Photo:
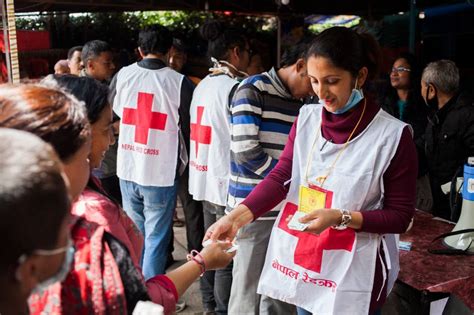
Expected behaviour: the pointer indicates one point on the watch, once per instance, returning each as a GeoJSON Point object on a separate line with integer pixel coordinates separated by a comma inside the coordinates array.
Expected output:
{"type": "Point", "coordinates": [345, 220]}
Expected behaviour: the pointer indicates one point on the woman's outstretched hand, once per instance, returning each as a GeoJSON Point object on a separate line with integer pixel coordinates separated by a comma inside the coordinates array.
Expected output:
{"type": "Point", "coordinates": [215, 255]}
{"type": "Point", "coordinates": [226, 227]}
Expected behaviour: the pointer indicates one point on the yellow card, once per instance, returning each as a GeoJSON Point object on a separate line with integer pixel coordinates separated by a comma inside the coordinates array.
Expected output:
{"type": "Point", "coordinates": [311, 199]}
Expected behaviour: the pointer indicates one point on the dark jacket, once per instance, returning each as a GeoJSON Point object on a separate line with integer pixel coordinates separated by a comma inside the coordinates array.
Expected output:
{"type": "Point", "coordinates": [416, 113]}
{"type": "Point", "coordinates": [450, 138]}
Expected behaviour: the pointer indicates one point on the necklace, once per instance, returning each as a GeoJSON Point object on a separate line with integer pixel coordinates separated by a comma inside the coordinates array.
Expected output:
{"type": "Point", "coordinates": [322, 179]}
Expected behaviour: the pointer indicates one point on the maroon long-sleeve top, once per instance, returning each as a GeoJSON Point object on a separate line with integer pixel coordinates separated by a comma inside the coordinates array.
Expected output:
{"type": "Point", "coordinates": [399, 183]}
{"type": "Point", "coordinates": [399, 179]}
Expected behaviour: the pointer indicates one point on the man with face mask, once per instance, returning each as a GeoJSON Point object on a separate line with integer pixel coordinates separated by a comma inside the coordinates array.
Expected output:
{"type": "Point", "coordinates": [450, 130]}
{"type": "Point", "coordinates": [34, 206]}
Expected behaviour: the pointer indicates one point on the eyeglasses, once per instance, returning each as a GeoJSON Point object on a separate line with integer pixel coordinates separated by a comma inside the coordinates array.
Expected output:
{"type": "Point", "coordinates": [400, 69]}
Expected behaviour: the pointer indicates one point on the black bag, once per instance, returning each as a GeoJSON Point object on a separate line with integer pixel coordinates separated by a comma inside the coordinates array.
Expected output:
{"type": "Point", "coordinates": [451, 251]}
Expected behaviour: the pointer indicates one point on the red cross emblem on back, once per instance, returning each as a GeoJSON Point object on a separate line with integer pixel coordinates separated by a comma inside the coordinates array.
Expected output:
{"type": "Point", "coordinates": [143, 118]}
{"type": "Point", "coordinates": [200, 133]}
{"type": "Point", "coordinates": [310, 247]}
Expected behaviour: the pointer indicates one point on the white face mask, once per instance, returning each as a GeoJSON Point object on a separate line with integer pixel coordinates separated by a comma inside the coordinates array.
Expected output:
{"type": "Point", "coordinates": [62, 272]}
{"type": "Point", "coordinates": [223, 67]}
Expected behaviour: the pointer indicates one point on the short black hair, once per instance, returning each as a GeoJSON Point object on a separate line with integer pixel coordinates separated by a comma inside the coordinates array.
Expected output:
{"type": "Point", "coordinates": [93, 93]}
{"type": "Point", "coordinates": [294, 52]}
{"type": "Point", "coordinates": [72, 51]}
{"type": "Point", "coordinates": [179, 45]}
{"type": "Point", "coordinates": [155, 39]}
{"type": "Point", "coordinates": [221, 38]}
{"type": "Point", "coordinates": [93, 49]}
{"type": "Point", "coordinates": [34, 198]}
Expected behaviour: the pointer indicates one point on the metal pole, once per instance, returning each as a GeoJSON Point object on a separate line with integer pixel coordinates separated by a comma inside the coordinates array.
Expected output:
{"type": "Point", "coordinates": [15, 70]}
{"type": "Point", "coordinates": [413, 16]}
{"type": "Point", "coordinates": [5, 41]}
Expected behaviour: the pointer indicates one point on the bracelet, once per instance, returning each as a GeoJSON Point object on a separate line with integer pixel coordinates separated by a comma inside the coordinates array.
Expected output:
{"type": "Point", "coordinates": [195, 256]}
{"type": "Point", "coordinates": [345, 220]}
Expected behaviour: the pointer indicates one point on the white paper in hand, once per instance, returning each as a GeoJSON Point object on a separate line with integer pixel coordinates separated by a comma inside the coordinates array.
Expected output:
{"type": "Point", "coordinates": [294, 223]}
{"type": "Point", "coordinates": [231, 249]}
{"type": "Point", "coordinates": [206, 243]}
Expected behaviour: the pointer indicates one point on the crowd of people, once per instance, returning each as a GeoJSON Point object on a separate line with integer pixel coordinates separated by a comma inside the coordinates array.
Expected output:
{"type": "Point", "coordinates": [308, 156]}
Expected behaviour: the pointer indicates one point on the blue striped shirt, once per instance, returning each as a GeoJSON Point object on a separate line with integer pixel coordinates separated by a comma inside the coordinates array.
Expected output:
{"type": "Point", "coordinates": [262, 113]}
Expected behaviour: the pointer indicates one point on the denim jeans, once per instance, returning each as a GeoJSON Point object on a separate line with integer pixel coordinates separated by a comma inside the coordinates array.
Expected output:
{"type": "Point", "coordinates": [151, 208]}
{"type": "Point", "coordinates": [215, 285]}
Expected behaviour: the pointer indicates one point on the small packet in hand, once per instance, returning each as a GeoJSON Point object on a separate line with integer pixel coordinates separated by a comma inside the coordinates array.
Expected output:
{"type": "Point", "coordinates": [232, 249]}
{"type": "Point", "coordinates": [404, 245]}
{"type": "Point", "coordinates": [294, 223]}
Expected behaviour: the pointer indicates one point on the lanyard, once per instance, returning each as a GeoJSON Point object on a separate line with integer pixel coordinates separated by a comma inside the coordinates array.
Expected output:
{"type": "Point", "coordinates": [322, 179]}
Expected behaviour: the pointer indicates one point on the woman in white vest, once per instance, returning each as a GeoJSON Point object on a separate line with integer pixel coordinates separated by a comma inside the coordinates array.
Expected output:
{"type": "Point", "coordinates": [348, 176]}
{"type": "Point", "coordinates": [209, 158]}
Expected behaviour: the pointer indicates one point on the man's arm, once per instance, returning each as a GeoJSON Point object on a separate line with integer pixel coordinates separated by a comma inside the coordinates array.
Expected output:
{"type": "Point", "coordinates": [187, 89]}
{"type": "Point", "coordinates": [112, 90]}
{"type": "Point", "coordinates": [246, 150]}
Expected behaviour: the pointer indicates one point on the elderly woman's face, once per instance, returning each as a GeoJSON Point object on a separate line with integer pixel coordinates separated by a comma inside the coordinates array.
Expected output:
{"type": "Point", "coordinates": [332, 84]}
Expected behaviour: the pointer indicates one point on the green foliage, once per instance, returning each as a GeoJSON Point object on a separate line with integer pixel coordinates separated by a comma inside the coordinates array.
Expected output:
{"type": "Point", "coordinates": [34, 23]}
{"type": "Point", "coordinates": [318, 28]}
{"type": "Point", "coordinates": [183, 21]}
{"type": "Point", "coordinates": [175, 20]}
{"type": "Point", "coordinates": [120, 29]}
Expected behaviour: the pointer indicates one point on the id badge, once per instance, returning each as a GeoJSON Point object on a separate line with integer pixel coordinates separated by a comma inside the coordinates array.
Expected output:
{"type": "Point", "coordinates": [311, 199]}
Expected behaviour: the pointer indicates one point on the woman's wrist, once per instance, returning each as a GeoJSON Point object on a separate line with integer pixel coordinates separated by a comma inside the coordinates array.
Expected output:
{"type": "Point", "coordinates": [355, 221]}
{"type": "Point", "coordinates": [197, 258]}
{"type": "Point", "coordinates": [241, 215]}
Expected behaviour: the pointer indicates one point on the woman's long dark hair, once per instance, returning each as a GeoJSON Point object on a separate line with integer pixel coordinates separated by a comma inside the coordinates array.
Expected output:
{"type": "Point", "coordinates": [414, 93]}
{"type": "Point", "coordinates": [95, 97]}
{"type": "Point", "coordinates": [348, 50]}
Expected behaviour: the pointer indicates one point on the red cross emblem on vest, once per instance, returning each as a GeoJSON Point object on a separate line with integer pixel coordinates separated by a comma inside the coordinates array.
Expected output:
{"type": "Point", "coordinates": [310, 247]}
{"type": "Point", "coordinates": [200, 133]}
{"type": "Point", "coordinates": [143, 118]}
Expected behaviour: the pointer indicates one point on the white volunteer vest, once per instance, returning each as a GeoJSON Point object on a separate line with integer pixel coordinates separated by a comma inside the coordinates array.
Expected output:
{"type": "Point", "coordinates": [147, 101]}
{"type": "Point", "coordinates": [209, 158]}
{"type": "Point", "coordinates": [335, 276]}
